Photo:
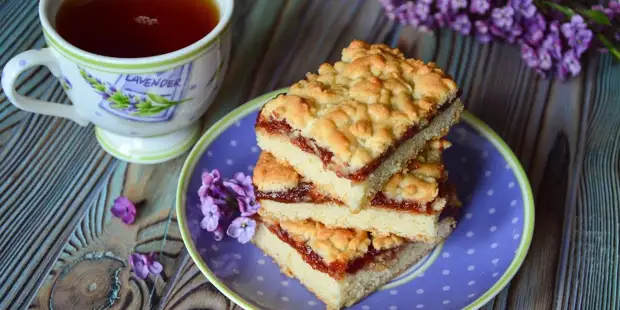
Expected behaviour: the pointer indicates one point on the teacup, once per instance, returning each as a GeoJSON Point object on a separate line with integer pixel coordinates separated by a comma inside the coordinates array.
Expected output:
{"type": "Point", "coordinates": [145, 110]}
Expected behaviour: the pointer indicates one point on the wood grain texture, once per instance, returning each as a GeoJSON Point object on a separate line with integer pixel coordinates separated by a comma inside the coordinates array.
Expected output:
{"type": "Point", "coordinates": [57, 185]}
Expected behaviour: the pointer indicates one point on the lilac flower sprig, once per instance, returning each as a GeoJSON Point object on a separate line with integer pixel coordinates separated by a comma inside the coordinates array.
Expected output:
{"type": "Point", "coordinates": [553, 36]}
{"type": "Point", "coordinates": [224, 200]}
{"type": "Point", "coordinates": [143, 265]}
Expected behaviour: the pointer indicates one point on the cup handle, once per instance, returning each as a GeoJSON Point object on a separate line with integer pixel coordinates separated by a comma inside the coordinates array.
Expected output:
{"type": "Point", "coordinates": [20, 63]}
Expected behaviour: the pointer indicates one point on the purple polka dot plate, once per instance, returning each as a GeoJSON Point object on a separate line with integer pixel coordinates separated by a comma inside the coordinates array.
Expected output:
{"type": "Point", "coordinates": [465, 272]}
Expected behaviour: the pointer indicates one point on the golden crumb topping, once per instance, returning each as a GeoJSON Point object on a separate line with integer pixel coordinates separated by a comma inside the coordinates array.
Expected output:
{"type": "Point", "coordinates": [271, 175]}
{"type": "Point", "coordinates": [337, 244]}
{"type": "Point", "coordinates": [384, 242]}
{"type": "Point", "coordinates": [418, 182]}
{"type": "Point", "coordinates": [360, 106]}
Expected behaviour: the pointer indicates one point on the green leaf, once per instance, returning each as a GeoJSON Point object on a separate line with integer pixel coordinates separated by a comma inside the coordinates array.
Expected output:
{"type": "Point", "coordinates": [596, 16]}
{"type": "Point", "coordinates": [143, 105]}
{"type": "Point", "coordinates": [565, 10]}
{"type": "Point", "coordinates": [100, 88]}
{"type": "Point", "coordinates": [610, 46]}
{"type": "Point", "coordinates": [180, 101]}
{"type": "Point", "coordinates": [157, 98]}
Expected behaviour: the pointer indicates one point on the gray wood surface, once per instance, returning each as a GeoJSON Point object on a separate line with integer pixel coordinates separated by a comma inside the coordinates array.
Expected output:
{"type": "Point", "coordinates": [57, 185]}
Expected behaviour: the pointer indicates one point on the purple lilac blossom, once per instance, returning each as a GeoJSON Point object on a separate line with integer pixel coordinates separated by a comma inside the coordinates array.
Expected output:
{"type": "Point", "coordinates": [503, 17]}
{"type": "Point", "coordinates": [570, 64]}
{"type": "Point", "coordinates": [577, 34]}
{"type": "Point", "coordinates": [242, 229]}
{"type": "Point", "coordinates": [536, 28]}
{"type": "Point", "coordinates": [124, 209]}
{"type": "Point", "coordinates": [455, 5]}
{"type": "Point", "coordinates": [529, 56]}
{"type": "Point", "coordinates": [211, 212]}
{"type": "Point", "coordinates": [525, 7]}
{"type": "Point", "coordinates": [482, 31]}
{"type": "Point", "coordinates": [248, 206]}
{"type": "Point", "coordinates": [479, 6]}
{"type": "Point", "coordinates": [462, 24]}
{"type": "Point", "coordinates": [241, 184]}
{"type": "Point", "coordinates": [142, 265]}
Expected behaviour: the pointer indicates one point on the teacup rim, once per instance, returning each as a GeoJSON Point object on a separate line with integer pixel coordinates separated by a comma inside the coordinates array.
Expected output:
{"type": "Point", "coordinates": [141, 62]}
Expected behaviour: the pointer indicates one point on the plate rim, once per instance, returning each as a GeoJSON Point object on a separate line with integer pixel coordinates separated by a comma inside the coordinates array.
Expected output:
{"type": "Point", "coordinates": [229, 119]}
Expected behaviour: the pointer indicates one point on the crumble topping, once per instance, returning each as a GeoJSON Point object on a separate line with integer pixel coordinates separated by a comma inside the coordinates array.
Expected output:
{"type": "Point", "coordinates": [338, 244]}
{"type": "Point", "coordinates": [359, 107]}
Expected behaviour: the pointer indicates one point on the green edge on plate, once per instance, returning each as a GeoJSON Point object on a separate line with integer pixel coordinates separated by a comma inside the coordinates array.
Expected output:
{"type": "Point", "coordinates": [252, 105]}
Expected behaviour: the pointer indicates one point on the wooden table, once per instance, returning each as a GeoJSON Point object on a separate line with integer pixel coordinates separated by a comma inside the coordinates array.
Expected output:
{"type": "Point", "coordinates": [61, 249]}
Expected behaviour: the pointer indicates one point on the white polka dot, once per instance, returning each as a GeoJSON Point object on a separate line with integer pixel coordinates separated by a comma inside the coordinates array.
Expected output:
{"type": "Point", "coordinates": [513, 203]}
{"type": "Point", "coordinates": [419, 291]}
{"type": "Point", "coordinates": [393, 308]}
{"type": "Point", "coordinates": [209, 154]}
{"type": "Point", "coordinates": [237, 256]}
{"type": "Point", "coordinates": [229, 162]}
{"type": "Point", "coordinates": [493, 228]}
{"type": "Point", "coordinates": [515, 220]}
{"type": "Point", "coordinates": [421, 275]}
{"type": "Point", "coordinates": [236, 271]}
{"type": "Point", "coordinates": [250, 168]}
{"type": "Point", "coordinates": [419, 306]}
{"type": "Point", "coordinates": [495, 274]}
{"type": "Point", "coordinates": [493, 245]}
{"type": "Point", "coordinates": [472, 282]}
{"type": "Point", "coordinates": [312, 303]}
{"type": "Point", "coordinates": [507, 166]}
{"type": "Point", "coordinates": [465, 178]}
{"type": "Point", "coordinates": [492, 210]}
{"type": "Point", "coordinates": [233, 142]}
{"type": "Point", "coordinates": [494, 261]}
{"type": "Point", "coordinates": [238, 123]}
{"type": "Point", "coordinates": [445, 272]}
{"type": "Point", "coordinates": [445, 254]}
{"type": "Point", "coordinates": [463, 159]}
{"type": "Point", "coordinates": [471, 267]}
{"type": "Point", "coordinates": [511, 184]}
{"type": "Point", "coordinates": [445, 302]}
{"type": "Point", "coordinates": [446, 288]}
{"type": "Point", "coordinates": [214, 248]}
{"type": "Point", "coordinates": [284, 298]}
{"type": "Point", "coordinates": [260, 278]}
{"type": "Point", "coordinates": [468, 215]}
{"type": "Point", "coordinates": [261, 261]}
{"type": "Point", "coordinates": [487, 173]}
{"type": "Point", "coordinates": [259, 293]}
{"type": "Point", "coordinates": [485, 154]}
{"type": "Point", "coordinates": [469, 234]}
{"type": "Point", "coordinates": [516, 236]}
{"type": "Point", "coordinates": [284, 283]}
{"type": "Point", "coordinates": [365, 307]}
{"type": "Point", "coordinates": [490, 192]}
{"type": "Point", "coordinates": [471, 295]}
{"type": "Point", "coordinates": [471, 251]}
{"type": "Point", "coordinates": [254, 149]}
{"type": "Point", "coordinates": [393, 292]}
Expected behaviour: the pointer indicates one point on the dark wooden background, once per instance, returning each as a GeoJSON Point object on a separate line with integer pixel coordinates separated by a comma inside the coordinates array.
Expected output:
{"type": "Point", "coordinates": [61, 249]}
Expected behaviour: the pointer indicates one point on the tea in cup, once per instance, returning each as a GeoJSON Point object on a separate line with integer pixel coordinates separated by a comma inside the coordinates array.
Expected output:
{"type": "Point", "coordinates": [142, 71]}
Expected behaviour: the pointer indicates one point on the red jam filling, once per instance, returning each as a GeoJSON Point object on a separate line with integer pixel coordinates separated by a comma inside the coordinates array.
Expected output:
{"type": "Point", "coordinates": [336, 270]}
{"type": "Point", "coordinates": [309, 145]}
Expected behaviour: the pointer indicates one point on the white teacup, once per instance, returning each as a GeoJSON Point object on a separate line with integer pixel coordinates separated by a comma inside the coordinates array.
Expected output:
{"type": "Point", "coordinates": [145, 110]}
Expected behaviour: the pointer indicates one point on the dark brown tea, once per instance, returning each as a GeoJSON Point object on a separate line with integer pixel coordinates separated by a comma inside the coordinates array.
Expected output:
{"type": "Point", "coordinates": [135, 28]}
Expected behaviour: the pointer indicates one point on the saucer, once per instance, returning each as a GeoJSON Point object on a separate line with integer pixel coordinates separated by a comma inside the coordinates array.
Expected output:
{"type": "Point", "coordinates": [471, 267]}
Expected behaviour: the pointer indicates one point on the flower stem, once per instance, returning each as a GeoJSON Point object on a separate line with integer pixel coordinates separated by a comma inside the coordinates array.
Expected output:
{"type": "Point", "coordinates": [609, 45]}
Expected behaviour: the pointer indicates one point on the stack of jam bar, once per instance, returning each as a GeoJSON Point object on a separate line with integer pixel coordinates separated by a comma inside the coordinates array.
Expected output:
{"type": "Point", "coordinates": [351, 181]}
